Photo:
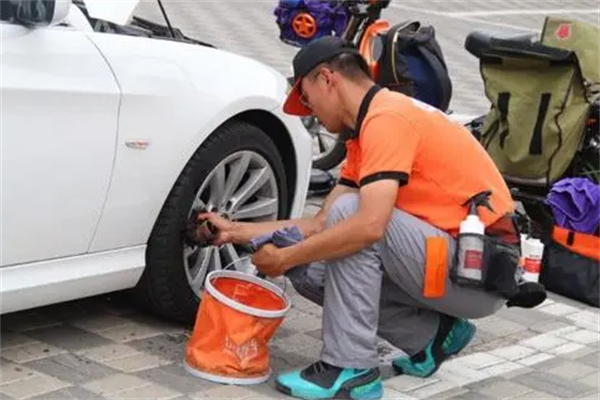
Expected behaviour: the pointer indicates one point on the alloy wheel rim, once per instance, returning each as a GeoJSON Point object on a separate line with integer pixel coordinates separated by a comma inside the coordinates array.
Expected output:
{"type": "Point", "coordinates": [242, 187]}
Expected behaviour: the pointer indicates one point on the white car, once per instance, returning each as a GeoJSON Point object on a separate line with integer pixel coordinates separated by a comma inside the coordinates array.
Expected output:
{"type": "Point", "coordinates": [110, 141]}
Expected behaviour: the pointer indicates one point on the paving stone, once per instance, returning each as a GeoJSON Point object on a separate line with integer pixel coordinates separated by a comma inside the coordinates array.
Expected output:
{"type": "Point", "coordinates": [36, 385]}
{"type": "Point", "coordinates": [151, 391]}
{"type": "Point", "coordinates": [572, 370]}
{"type": "Point", "coordinates": [13, 339]}
{"type": "Point", "coordinates": [30, 352]}
{"type": "Point", "coordinates": [130, 332]}
{"type": "Point", "coordinates": [583, 337]}
{"type": "Point", "coordinates": [566, 348]}
{"type": "Point", "coordinates": [537, 395]}
{"type": "Point", "coordinates": [544, 342]}
{"type": "Point", "coordinates": [10, 372]}
{"type": "Point", "coordinates": [95, 323]}
{"type": "Point", "coordinates": [592, 380]}
{"type": "Point", "coordinates": [175, 377]}
{"type": "Point", "coordinates": [525, 317]}
{"type": "Point", "coordinates": [591, 360]}
{"type": "Point", "coordinates": [71, 368]}
{"type": "Point", "coordinates": [115, 383]}
{"type": "Point", "coordinates": [586, 350]}
{"type": "Point", "coordinates": [471, 395]}
{"type": "Point", "coordinates": [406, 383]}
{"type": "Point", "coordinates": [504, 390]}
{"type": "Point", "coordinates": [68, 337]}
{"type": "Point", "coordinates": [553, 325]}
{"type": "Point", "coordinates": [552, 384]}
{"type": "Point", "coordinates": [26, 321]}
{"type": "Point", "coordinates": [229, 392]}
{"type": "Point", "coordinates": [591, 396]}
{"type": "Point", "coordinates": [137, 362]}
{"type": "Point", "coordinates": [535, 359]}
{"type": "Point", "coordinates": [74, 392]}
{"type": "Point", "coordinates": [449, 394]}
{"type": "Point", "coordinates": [501, 326]}
{"type": "Point", "coordinates": [459, 374]}
{"type": "Point", "coordinates": [433, 389]}
{"type": "Point", "coordinates": [168, 346]}
{"type": "Point", "coordinates": [586, 319]}
{"type": "Point", "coordinates": [559, 309]}
{"type": "Point", "coordinates": [513, 353]}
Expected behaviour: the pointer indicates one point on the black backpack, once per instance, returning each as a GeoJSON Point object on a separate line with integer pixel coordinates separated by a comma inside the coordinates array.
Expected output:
{"type": "Point", "coordinates": [412, 63]}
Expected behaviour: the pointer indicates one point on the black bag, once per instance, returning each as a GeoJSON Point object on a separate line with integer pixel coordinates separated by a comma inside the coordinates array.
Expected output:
{"type": "Point", "coordinates": [412, 63]}
{"type": "Point", "coordinates": [571, 266]}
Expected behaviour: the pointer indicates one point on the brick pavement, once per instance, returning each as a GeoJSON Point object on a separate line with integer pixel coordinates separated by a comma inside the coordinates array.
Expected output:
{"type": "Point", "coordinates": [103, 347]}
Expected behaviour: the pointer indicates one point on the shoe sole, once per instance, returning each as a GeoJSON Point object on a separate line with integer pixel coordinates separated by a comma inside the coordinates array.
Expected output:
{"type": "Point", "coordinates": [343, 394]}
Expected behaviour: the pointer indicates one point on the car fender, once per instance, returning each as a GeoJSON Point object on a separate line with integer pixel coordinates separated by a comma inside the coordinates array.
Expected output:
{"type": "Point", "coordinates": [174, 95]}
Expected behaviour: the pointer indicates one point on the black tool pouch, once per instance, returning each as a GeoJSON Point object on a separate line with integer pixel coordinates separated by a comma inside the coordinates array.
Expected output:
{"type": "Point", "coordinates": [501, 273]}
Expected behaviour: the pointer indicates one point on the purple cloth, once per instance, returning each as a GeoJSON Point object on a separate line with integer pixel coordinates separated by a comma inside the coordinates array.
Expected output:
{"type": "Point", "coordinates": [281, 238]}
{"type": "Point", "coordinates": [575, 204]}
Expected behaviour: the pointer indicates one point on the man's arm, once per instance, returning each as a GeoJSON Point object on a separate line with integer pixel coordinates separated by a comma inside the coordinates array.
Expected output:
{"type": "Point", "coordinates": [243, 232]}
{"type": "Point", "coordinates": [362, 229]}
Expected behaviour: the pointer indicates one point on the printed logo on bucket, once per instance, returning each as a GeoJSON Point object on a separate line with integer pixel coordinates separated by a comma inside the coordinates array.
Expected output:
{"type": "Point", "coordinates": [243, 352]}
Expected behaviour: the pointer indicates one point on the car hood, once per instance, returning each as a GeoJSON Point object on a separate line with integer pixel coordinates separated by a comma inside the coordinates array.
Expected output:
{"type": "Point", "coordinates": [118, 12]}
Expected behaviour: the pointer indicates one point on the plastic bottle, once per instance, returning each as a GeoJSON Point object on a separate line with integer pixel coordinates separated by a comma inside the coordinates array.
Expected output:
{"type": "Point", "coordinates": [533, 251]}
{"type": "Point", "coordinates": [470, 248]}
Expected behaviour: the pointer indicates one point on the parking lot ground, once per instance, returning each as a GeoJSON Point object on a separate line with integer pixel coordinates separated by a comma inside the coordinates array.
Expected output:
{"type": "Point", "coordinates": [106, 348]}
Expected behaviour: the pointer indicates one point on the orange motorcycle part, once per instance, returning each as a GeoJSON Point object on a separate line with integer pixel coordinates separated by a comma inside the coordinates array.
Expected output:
{"type": "Point", "coordinates": [371, 45]}
{"type": "Point", "coordinates": [304, 25]}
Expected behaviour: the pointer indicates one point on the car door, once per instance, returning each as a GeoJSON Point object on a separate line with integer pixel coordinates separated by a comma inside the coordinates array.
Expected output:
{"type": "Point", "coordinates": [59, 108]}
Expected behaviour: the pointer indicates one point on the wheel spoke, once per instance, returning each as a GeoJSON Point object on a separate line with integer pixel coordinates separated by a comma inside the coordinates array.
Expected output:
{"type": "Point", "coordinates": [215, 260]}
{"type": "Point", "coordinates": [231, 254]}
{"type": "Point", "coordinates": [257, 179]}
{"type": "Point", "coordinates": [261, 208]}
{"type": "Point", "coordinates": [238, 169]}
{"type": "Point", "coordinates": [200, 268]}
{"type": "Point", "coordinates": [198, 204]}
{"type": "Point", "coordinates": [217, 187]}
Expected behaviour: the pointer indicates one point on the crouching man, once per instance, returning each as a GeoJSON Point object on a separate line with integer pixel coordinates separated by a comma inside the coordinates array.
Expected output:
{"type": "Point", "coordinates": [408, 176]}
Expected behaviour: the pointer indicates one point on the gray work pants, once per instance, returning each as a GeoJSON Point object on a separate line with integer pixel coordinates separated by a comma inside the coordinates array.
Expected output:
{"type": "Point", "coordinates": [378, 292]}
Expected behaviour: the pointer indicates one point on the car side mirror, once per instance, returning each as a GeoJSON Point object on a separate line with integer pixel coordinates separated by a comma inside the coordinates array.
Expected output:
{"type": "Point", "coordinates": [40, 13]}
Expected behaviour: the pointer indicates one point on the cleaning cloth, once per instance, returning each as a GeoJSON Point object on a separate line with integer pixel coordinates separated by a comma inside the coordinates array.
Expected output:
{"type": "Point", "coordinates": [575, 204]}
{"type": "Point", "coordinates": [280, 238]}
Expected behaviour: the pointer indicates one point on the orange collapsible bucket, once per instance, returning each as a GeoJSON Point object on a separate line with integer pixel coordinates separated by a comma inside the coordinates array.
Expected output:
{"type": "Point", "coordinates": [238, 315]}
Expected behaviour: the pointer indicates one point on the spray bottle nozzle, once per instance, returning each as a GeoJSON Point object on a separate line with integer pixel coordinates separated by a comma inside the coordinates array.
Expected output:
{"type": "Point", "coordinates": [480, 199]}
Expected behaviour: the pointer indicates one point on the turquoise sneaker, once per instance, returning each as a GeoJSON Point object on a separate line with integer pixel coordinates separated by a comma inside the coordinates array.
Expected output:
{"type": "Point", "coordinates": [324, 381]}
{"type": "Point", "coordinates": [452, 337]}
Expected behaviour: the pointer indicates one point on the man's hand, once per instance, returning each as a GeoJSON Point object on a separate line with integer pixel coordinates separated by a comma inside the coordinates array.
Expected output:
{"type": "Point", "coordinates": [269, 261]}
{"type": "Point", "coordinates": [225, 228]}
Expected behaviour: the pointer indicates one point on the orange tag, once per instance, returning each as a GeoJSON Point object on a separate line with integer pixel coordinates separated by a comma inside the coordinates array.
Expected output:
{"type": "Point", "coordinates": [436, 267]}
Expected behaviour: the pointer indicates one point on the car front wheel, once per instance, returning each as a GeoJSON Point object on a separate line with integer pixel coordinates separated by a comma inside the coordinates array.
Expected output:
{"type": "Point", "coordinates": [238, 173]}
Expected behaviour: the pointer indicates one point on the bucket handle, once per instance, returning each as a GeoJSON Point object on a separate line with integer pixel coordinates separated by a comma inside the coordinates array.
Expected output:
{"type": "Point", "coordinates": [248, 257]}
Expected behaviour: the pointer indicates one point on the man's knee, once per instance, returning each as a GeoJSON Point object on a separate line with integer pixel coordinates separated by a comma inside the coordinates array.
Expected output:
{"type": "Point", "coordinates": [342, 208]}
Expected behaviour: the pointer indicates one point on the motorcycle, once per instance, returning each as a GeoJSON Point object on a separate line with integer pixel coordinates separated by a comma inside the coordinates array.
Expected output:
{"type": "Point", "coordinates": [353, 20]}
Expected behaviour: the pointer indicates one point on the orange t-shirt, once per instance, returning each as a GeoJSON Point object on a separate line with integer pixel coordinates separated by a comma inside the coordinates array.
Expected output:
{"type": "Point", "coordinates": [438, 162]}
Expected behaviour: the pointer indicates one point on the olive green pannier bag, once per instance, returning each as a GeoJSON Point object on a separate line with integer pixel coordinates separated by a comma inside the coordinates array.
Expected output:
{"type": "Point", "coordinates": [540, 93]}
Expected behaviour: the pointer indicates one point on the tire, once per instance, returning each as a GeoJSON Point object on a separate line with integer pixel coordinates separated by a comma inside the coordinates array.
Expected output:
{"type": "Point", "coordinates": [164, 287]}
{"type": "Point", "coordinates": [331, 159]}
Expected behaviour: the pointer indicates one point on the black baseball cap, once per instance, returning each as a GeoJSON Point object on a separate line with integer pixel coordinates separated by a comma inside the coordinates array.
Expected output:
{"type": "Point", "coordinates": [316, 52]}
